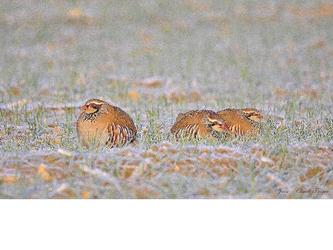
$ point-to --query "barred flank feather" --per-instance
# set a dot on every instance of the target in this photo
(236, 129)
(188, 131)
(119, 135)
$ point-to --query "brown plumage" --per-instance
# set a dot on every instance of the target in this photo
(241, 121)
(101, 123)
(198, 124)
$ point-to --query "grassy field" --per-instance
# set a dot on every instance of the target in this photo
(155, 59)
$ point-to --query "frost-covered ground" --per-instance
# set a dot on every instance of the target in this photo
(156, 59)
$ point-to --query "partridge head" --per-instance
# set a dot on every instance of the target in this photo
(252, 114)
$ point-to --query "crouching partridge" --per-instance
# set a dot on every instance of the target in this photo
(198, 124)
(101, 123)
(241, 121)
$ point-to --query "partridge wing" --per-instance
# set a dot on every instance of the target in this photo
(121, 128)
(120, 135)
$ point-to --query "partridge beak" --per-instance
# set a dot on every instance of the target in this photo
(224, 126)
(83, 108)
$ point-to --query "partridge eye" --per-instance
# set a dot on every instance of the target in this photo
(95, 106)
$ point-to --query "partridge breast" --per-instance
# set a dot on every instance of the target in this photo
(92, 131)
